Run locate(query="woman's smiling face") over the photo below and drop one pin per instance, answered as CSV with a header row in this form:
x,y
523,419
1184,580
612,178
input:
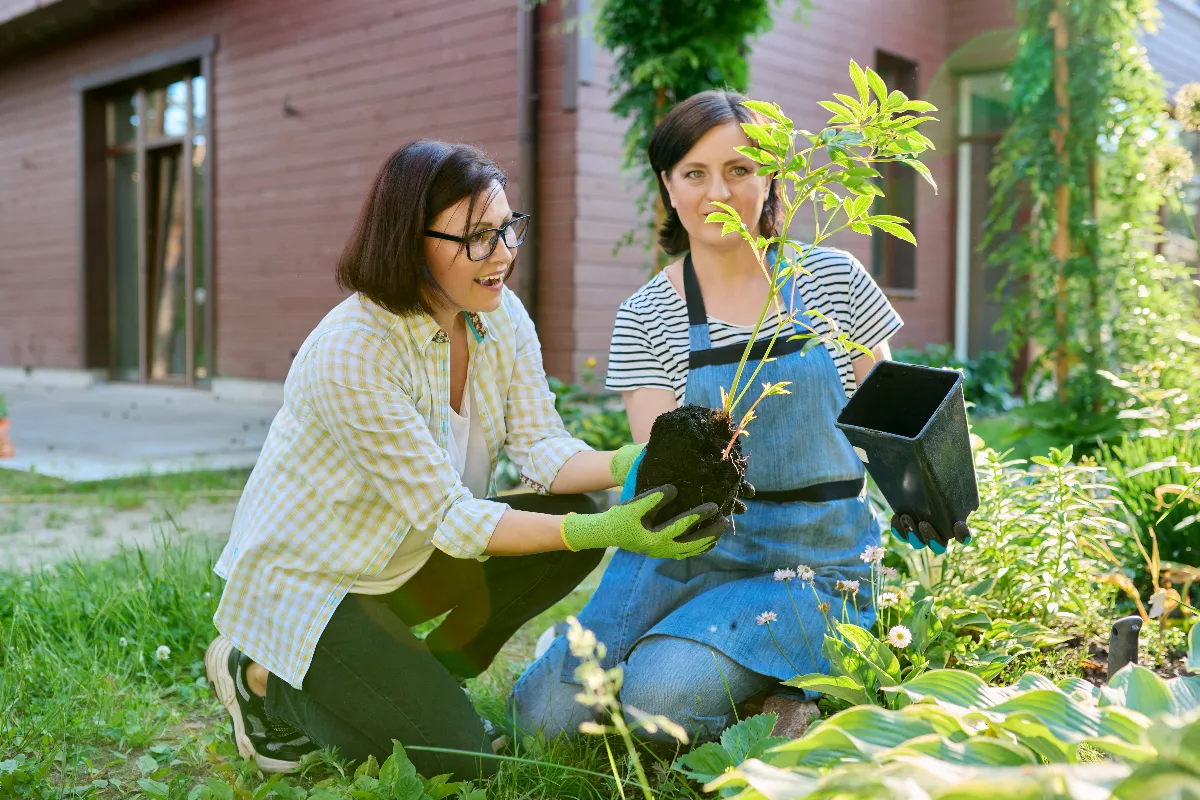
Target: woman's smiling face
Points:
x,y
712,171
470,285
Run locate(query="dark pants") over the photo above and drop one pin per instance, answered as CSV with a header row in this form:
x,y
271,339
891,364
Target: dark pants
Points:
x,y
371,680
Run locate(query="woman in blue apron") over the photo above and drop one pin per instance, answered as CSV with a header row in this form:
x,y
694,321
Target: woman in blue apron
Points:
x,y
697,637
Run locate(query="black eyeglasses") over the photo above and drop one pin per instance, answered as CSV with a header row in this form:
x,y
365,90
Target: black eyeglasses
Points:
x,y
481,244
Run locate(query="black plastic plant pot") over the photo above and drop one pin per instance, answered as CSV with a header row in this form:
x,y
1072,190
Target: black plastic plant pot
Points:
x,y
911,423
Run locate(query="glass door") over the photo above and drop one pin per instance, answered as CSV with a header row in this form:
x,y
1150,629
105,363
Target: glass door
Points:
x,y
157,151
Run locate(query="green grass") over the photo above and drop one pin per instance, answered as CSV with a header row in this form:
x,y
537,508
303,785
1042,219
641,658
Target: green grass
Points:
x,y
87,710
121,493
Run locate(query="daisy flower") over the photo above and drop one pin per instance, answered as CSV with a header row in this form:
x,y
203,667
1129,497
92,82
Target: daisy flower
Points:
x,y
162,653
848,586
888,573
765,617
805,573
872,555
899,637
784,574
888,599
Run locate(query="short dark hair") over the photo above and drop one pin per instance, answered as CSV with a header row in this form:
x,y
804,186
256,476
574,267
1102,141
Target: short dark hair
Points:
x,y
384,259
678,133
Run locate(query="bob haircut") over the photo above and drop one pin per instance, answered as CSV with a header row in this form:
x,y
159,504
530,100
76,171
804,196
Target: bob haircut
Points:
x,y
678,133
384,259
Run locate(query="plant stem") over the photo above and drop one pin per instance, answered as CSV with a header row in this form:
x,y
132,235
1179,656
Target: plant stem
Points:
x,y
800,622
780,649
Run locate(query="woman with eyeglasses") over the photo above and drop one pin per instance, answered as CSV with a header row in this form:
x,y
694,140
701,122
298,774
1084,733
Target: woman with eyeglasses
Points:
x,y
368,510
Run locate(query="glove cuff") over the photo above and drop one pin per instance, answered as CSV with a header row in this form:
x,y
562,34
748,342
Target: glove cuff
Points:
x,y
624,461
562,531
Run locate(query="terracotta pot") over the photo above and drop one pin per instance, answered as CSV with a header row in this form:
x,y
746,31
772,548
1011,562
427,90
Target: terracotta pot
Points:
x,y
6,445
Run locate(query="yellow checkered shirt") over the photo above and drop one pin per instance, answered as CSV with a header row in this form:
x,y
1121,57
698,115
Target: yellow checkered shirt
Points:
x,y
357,457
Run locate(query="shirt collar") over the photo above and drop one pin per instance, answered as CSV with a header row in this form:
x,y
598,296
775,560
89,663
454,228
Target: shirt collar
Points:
x,y
424,330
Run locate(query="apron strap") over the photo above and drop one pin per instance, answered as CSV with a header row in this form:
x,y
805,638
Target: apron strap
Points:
x,y
697,315
816,493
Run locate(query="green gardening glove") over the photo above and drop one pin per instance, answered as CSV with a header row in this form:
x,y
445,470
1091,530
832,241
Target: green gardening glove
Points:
x,y
624,460
626,526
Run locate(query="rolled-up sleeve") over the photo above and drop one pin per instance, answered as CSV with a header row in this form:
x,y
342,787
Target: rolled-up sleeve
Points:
x,y
375,424
537,442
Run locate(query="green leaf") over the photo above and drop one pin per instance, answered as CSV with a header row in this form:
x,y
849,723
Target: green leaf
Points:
x,y
156,789
750,738
147,764
924,172
704,763
920,106
844,661
1193,657
839,686
860,227
860,81
1185,694
1140,689
899,231
977,751
768,110
440,787
877,85
756,154
922,622
953,688
877,654
839,111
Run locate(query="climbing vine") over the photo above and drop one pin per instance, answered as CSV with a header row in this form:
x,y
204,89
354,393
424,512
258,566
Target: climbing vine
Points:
x,y
1074,216
667,50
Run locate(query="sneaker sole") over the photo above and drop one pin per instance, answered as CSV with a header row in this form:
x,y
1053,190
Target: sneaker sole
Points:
x,y
216,661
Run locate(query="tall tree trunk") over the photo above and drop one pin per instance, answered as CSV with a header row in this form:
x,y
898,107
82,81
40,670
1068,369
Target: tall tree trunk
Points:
x,y
1094,320
1062,194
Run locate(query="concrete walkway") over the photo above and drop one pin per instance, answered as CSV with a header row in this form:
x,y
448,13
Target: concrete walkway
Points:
x,y
118,430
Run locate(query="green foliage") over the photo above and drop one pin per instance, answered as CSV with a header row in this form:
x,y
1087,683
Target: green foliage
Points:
x,y
987,379
596,418
833,176
1112,286
1041,535
749,738
955,736
1139,468
668,50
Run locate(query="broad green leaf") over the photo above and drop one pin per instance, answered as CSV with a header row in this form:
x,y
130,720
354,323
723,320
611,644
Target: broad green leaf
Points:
x,y
705,762
1078,686
839,686
848,101
856,733
844,660
440,787
839,111
1140,689
860,227
922,622
1185,694
750,738
155,789
861,204
877,654
920,106
1193,658
978,751
953,688
147,764
924,172
1032,680
767,782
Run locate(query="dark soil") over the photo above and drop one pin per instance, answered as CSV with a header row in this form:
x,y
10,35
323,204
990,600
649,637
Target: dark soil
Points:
x,y
685,450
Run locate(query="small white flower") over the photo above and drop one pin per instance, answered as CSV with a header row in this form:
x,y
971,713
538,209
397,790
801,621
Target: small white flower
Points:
x,y
122,641
208,595
848,586
765,617
162,653
888,573
805,574
872,555
899,637
1158,601
888,599
784,574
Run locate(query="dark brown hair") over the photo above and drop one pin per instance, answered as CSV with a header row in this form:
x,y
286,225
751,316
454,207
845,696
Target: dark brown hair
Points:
x,y
678,133
384,258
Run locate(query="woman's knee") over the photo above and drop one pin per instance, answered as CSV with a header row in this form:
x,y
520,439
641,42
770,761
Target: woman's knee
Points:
x,y
687,682
542,702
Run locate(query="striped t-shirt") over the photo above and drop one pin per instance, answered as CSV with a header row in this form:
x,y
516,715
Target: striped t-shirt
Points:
x,y
649,346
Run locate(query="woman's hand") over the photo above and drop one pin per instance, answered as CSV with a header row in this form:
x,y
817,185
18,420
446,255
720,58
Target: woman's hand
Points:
x,y
921,533
627,526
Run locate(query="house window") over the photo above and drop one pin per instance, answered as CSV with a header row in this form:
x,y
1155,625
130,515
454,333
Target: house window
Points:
x,y
894,262
147,218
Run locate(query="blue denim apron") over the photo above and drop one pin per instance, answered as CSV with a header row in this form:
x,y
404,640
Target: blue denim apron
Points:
x,y
793,445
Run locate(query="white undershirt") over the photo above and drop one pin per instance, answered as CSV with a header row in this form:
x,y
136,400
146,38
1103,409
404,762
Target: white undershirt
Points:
x,y
469,455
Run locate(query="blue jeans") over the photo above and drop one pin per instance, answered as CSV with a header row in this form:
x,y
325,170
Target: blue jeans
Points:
x,y
687,682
